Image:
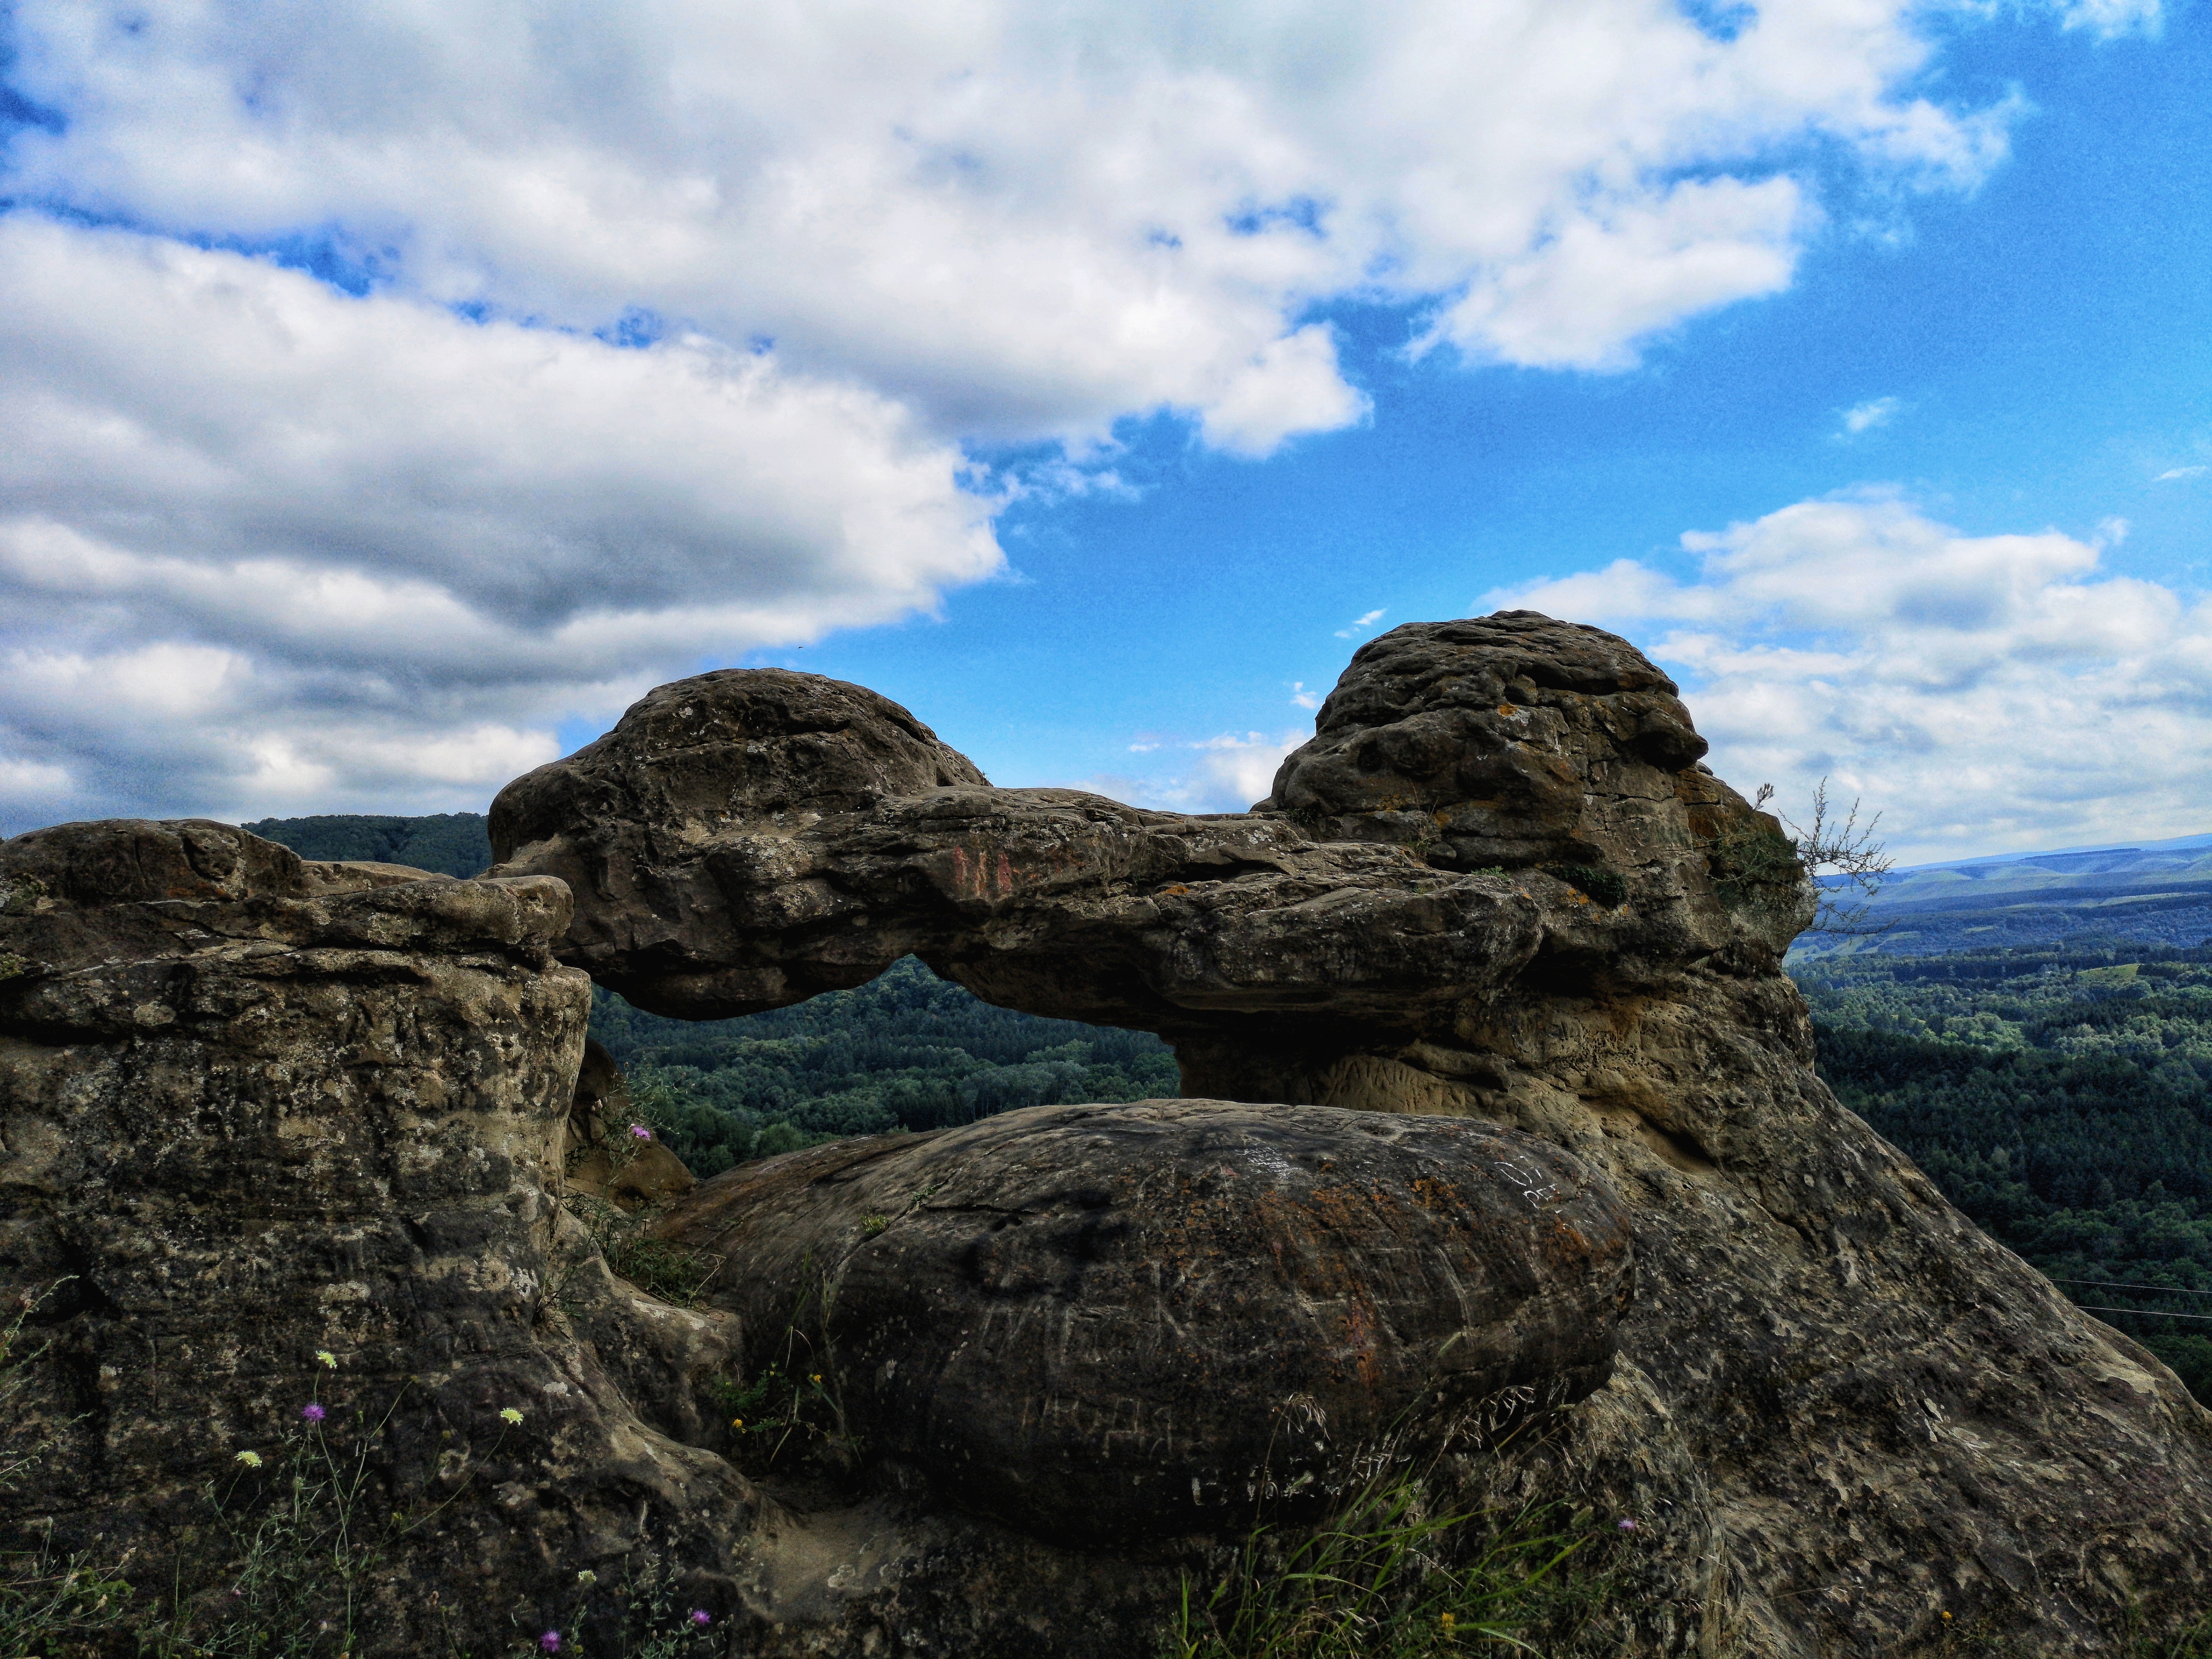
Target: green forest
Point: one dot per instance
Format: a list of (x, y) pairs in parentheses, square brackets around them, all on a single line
[(451, 843), (906, 1051), (2059, 1096)]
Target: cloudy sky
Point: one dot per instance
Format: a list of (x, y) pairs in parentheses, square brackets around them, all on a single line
[(390, 392)]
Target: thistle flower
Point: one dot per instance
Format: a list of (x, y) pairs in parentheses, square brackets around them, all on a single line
[(326, 1359), (312, 1412), (1627, 1524), (701, 1618), (508, 1414), (251, 1459), (639, 1131), (551, 1642)]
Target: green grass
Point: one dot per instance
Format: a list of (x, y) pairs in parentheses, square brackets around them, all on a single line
[(1389, 1578)]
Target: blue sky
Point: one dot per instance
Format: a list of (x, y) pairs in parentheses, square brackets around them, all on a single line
[(394, 400)]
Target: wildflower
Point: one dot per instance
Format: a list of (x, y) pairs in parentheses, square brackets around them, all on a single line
[(586, 1578), (1627, 1524), (251, 1459), (1947, 1615), (817, 1379), (551, 1642), (736, 1422), (508, 1414), (639, 1131), (701, 1618), (312, 1412), (326, 1359)]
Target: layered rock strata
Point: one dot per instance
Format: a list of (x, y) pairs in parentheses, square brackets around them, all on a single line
[(253, 1109), (1498, 883)]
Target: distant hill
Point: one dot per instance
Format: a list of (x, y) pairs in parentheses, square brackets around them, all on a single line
[(452, 843), (2156, 893)]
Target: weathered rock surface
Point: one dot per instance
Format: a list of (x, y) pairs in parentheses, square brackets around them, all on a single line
[(250, 1108), (598, 1153), (1499, 884), (1128, 1323)]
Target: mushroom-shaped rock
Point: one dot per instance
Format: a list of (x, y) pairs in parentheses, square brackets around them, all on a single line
[(1116, 1323)]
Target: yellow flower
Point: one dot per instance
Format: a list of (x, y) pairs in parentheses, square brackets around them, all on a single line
[(508, 1414), (252, 1461), (817, 1377), (326, 1359), (736, 1422)]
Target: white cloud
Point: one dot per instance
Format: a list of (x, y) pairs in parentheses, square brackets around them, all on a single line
[(2109, 20), (1359, 624), (1875, 411), (864, 234), (257, 532), (1226, 773), (1984, 693), (1302, 698), (2173, 473), (1024, 220)]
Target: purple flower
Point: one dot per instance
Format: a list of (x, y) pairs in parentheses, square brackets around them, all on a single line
[(639, 1131), (551, 1642), (313, 1413), (1627, 1525), (701, 1618)]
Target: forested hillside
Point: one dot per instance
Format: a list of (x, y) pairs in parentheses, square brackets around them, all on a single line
[(452, 843), (908, 1051), (2060, 1098)]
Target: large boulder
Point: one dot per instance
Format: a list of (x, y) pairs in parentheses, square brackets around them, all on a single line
[(1126, 1323)]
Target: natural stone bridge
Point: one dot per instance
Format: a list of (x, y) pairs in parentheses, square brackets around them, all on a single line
[(1498, 1101)]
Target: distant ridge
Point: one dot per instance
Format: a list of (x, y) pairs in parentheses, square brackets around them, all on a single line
[(2146, 892), (2171, 843), (451, 843)]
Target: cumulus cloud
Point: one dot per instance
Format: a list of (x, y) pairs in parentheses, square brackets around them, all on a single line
[(267, 544), (1027, 221), (368, 539), (1982, 692)]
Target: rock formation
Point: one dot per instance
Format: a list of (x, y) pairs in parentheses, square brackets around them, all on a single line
[(251, 1108), (1497, 1092), (1498, 883)]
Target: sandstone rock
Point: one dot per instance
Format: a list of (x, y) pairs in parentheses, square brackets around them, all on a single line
[(250, 1108), (1131, 1323), (598, 1156), (1499, 884)]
